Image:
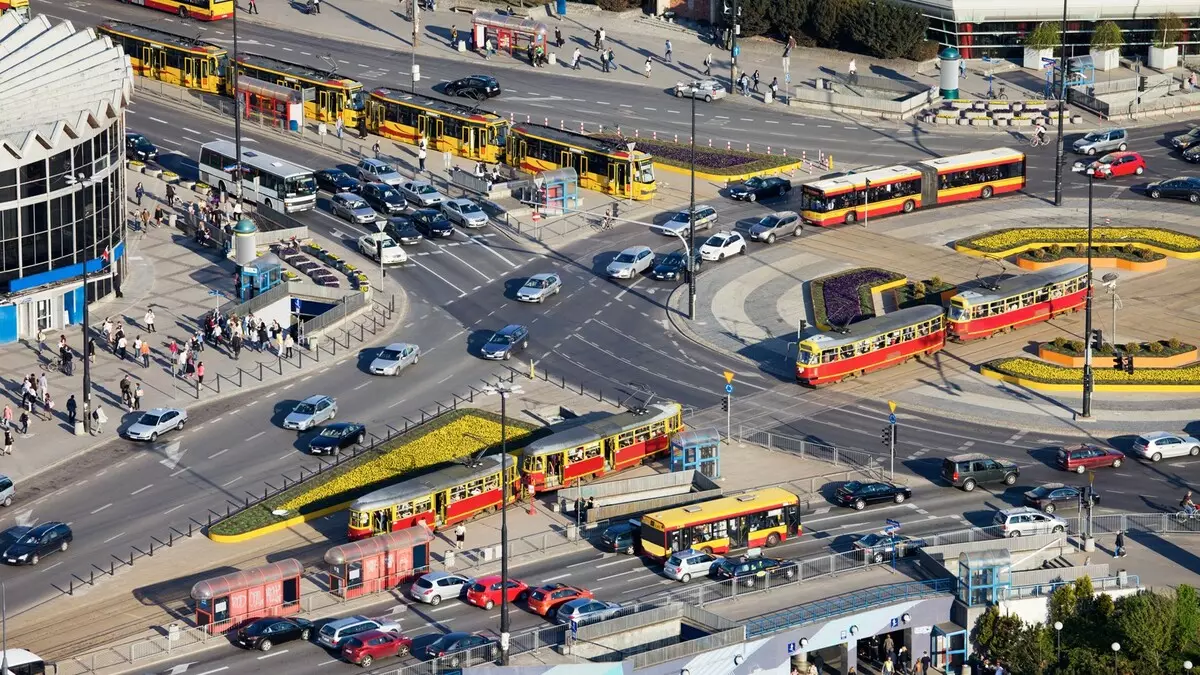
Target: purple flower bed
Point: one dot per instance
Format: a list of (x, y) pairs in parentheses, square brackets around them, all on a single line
[(709, 160), (844, 298)]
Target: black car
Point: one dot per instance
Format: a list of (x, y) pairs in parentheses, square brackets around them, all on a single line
[(1192, 154), (761, 188), (673, 266), (138, 146), (1049, 497), (478, 87), (857, 495), (624, 537), (753, 570), (383, 198), (460, 649), (403, 232), (336, 180), (1184, 187), (506, 342), (432, 223), (30, 544), (262, 634), (337, 436)]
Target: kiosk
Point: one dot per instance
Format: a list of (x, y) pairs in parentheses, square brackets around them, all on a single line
[(378, 563), (509, 32), (259, 276), (699, 449), (226, 601)]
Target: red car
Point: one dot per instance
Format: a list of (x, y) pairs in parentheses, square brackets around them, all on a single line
[(1080, 458), (1116, 164), (365, 648), (485, 592), (544, 600)]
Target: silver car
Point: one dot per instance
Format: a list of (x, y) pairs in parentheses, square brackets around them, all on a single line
[(395, 358), (631, 262), (155, 422), (539, 287), (779, 224), (586, 610), (705, 89), (378, 171), (435, 587), (352, 207), (1102, 140), (684, 565), (1158, 444), (465, 212), (680, 223), (1027, 521), (420, 193), (310, 412)]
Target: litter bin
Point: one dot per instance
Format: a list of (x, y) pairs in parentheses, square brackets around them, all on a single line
[(768, 97), (561, 8)]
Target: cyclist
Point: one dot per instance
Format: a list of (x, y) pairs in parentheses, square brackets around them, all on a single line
[(1188, 506), (1039, 133), (607, 222)]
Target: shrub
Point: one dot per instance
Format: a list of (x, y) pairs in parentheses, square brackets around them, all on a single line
[(1128, 249), (1104, 249), (936, 282), (1133, 347), (1174, 343), (1045, 36), (924, 51), (887, 29), (1055, 250), (1075, 346), (1168, 30), (1039, 254), (1156, 347), (613, 5), (1107, 36), (1059, 342), (1107, 349)]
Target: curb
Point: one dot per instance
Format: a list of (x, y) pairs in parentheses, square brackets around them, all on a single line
[(274, 527)]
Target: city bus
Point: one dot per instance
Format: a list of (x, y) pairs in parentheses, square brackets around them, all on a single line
[(333, 97), (201, 10), (601, 446), (763, 517), (19, 7), (871, 344), (272, 182), (603, 165), (444, 496), (463, 130), (24, 662), (166, 57), (903, 188), (998, 305)]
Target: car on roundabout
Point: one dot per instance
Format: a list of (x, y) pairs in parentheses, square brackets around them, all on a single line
[(1156, 445), (1187, 139), (1183, 187), (402, 230), (365, 648), (539, 287), (858, 494), (310, 412), (336, 180), (546, 599), (421, 193), (1192, 154), (582, 611), (459, 649), (673, 266), (505, 342), (1079, 458), (681, 223), (465, 212), (336, 437), (263, 634), (1115, 165), (394, 358), (630, 263), (434, 587), (486, 591), (708, 89), (378, 246), (139, 147), (750, 570), (760, 187), (383, 198), (774, 225), (722, 245), (1048, 496), (432, 223), (156, 422)]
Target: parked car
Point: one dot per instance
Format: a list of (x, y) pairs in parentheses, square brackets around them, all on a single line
[(262, 634), (1187, 139), (722, 245), (1115, 165), (337, 437), (968, 470), (630, 263), (858, 495), (352, 207), (753, 570), (1184, 187), (432, 223), (434, 587), (673, 266), (775, 225), (395, 358), (383, 198), (506, 342), (403, 231), (478, 87), (879, 547), (156, 422), (539, 287), (462, 649), (1101, 140), (680, 223), (336, 180), (29, 544), (334, 634), (708, 90), (420, 193), (546, 599), (1080, 458), (7, 490), (465, 212), (623, 537), (1023, 521), (1192, 154), (139, 147), (486, 593), (365, 648), (378, 171), (1158, 444), (1048, 496), (683, 565), (761, 187), (378, 245), (310, 412), (586, 610)]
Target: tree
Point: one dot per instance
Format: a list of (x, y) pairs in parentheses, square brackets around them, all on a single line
[(1187, 617), (1146, 621), (790, 17), (1045, 36), (1033, 651), (888, 29), (1168, 30), (827, 21), (1063, 601), (998, 636), (755, 18), (1107, 36)]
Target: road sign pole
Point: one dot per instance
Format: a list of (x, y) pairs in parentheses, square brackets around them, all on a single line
[(892, 436), (728, 404)]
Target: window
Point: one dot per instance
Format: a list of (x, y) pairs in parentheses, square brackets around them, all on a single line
[(33, 179), (8, 186)]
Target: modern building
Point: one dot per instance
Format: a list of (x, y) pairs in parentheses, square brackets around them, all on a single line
[(62, 205)]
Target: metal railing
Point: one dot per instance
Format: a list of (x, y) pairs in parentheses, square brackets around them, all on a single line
[(1158, 523), (858, 460), (348, 305), (846, 603), (1099, 584)]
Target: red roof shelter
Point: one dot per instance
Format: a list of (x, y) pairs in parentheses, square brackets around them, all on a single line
[(378, 563), (226, 601)]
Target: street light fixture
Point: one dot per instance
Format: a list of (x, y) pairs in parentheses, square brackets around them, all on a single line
[(1116, 647), (692, 212), (86, 182), (504, 390), (1058, 626), (1087, 321), (1187, 666)]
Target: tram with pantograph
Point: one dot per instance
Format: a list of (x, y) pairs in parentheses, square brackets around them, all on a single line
[(997, 305), (871, 344)]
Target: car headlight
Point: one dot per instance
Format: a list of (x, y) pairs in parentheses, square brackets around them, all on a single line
[(23, 556)]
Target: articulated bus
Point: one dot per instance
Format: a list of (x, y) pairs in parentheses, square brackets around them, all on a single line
[(438, 498), (463, 130), (601, 446), (201, 10), (997, 305), (871, 344), (24, 662), (334, 96), (762, 517), (603, 165), (174, 59), (267, 180), (905, 187)]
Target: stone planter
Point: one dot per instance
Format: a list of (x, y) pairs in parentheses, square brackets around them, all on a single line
[(981, 122), (1163, 58), (1097, 261), (1032, 58), (1106, 59), (1143, 359), (1020, 122)]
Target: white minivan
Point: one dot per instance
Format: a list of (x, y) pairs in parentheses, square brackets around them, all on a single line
[(684, 565)]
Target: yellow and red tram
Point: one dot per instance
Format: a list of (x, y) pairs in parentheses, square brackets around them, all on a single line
[(871, 344), (996, 305)]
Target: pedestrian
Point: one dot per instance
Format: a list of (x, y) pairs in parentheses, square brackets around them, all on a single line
[(925, 662), (43, 385), (422, 143), (649, 65), (159, 214), (460, 535), (962, 69), (122, 347), (774, 87), (708, 65), (150, 320), (603, 37), (253, 6), (139, 191), (24, 420), (888, 667), (667, 51), (791, 44), (91, 350), (488, 48), (7, 416), (41, 340), (454, 36), (8, 441), (236, 344), (375, 149), (199, 372), (853, 71), (889, 646), (340, 127), (72, 410), (144, 216), (575, 58), (146, 354), (1119, 552), (612, 60), (421, 155), (316, 6), (182, 363), (138, 393), (48, 406), (289, 344), (558, 38), (596, 45), (754, 77)]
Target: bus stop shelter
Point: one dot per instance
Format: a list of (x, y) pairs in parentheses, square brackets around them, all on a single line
[(273, 103), (226, 601), (378, 563), (698, 449), (557, 191), (510, 32)]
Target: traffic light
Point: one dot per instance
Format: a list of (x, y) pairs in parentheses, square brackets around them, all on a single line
[(1119, 362), (1097, 339), (1129, 365), (886, 436), (725, 404)]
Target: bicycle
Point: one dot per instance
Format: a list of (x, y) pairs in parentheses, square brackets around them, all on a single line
[(53, 365), (1186, 515), (1038, 140), (997, 95)]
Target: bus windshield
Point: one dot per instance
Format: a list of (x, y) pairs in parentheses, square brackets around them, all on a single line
[(645, 171), (813, 200), (301, 186)]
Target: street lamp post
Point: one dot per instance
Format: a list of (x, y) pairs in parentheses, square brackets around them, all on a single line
[(1062, 106), (237, 113), (1110, 283), (1087, 321), (1187, 668), (1116, 647), (379, 225), (85, 182), (1058, 626), (692, 215), (504, 390)]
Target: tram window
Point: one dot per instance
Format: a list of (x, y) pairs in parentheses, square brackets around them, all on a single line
[(864, 346), (847, 352), (539, 149), (458, 493), (642, 435), (592, 450), (576, 454), (598, 163), (831, 355), (923, 329), (625, 440), (878, 342), (658, 429), (491, 482), (451, 127), (908, 333), (404, 510), (535, 463)]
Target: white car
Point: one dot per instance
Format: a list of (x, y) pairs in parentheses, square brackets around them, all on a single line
[(155, 422), (352, 207), (368, 245), (680, 223), (631, 262), (395, 358), (434, 587), (1159, 444), (722, 245), (465, 212), (705, 89), (421, 193)]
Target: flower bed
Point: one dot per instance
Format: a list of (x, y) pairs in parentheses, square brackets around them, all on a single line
[(1031, 372), (1012, 241), (1158, 354), (926, 292), (456, 434), (845, 297), (709, 160)]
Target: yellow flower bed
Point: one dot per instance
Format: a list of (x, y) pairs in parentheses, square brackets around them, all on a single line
[(1008, 240), (1051, 374), (460, 438)]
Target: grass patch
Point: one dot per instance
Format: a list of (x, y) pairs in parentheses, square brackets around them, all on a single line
[(708, 160)]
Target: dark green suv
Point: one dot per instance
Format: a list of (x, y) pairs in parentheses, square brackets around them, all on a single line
[(967, 471)]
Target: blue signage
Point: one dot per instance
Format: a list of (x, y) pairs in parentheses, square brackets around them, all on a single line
[(892, 419), (729, 389), (574, 627), (893, 523), (895, 622), (215, 293), (295, 305)]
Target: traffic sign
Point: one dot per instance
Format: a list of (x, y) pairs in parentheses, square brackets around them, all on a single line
[(892, 418), (729, 377), (890, 529), (729, 389), (1047, 61), (295, 305), (215, 293), (893, 523), (892, 406), (574, 627)]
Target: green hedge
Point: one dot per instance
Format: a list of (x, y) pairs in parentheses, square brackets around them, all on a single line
[(1128, 252), (709, 160), (1161, 348)]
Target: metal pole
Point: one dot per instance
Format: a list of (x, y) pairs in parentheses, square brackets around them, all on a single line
[(1062, 102), (892, 447), (691, 267), (733, 48), (867, 203), (1087, 327), (87, 362), (1115, 342), (728, 414), (503, 523), (237, 114), (416, 12)]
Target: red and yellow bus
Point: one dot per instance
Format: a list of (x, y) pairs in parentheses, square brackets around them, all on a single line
[(463, 130), (438, 498), (603, 165), (600, 446), (762, 517), (201, 10), (904, 188), (996, 305), (872, 344)]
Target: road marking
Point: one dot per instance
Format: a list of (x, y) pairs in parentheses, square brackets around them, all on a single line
[(746, 119), (272, 654), (396, 403), (654, 109), (174, 508), (361, 386), (155, 119), (285, 455), (564, 576), (46, 569), (255, 436), (673, 112), (473, 268), (440, 609), (618, 574), (325, 663), (720, 117), (603, 102), (771, 122), (232, 481), (306, 378), (101, 508), (192, 140), (797, 124), (585, 562), (461, 292), (624, 105), (141, 489), (218, 453), (824, 126), (610, 564), (115, 536), (494, 252)]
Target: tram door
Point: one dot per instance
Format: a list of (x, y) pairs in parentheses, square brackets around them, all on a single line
[(440, 503), (325, 111), (618, 173), (381, 521), (431, 128), (189, 73), (470, 141), (375, 112)]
